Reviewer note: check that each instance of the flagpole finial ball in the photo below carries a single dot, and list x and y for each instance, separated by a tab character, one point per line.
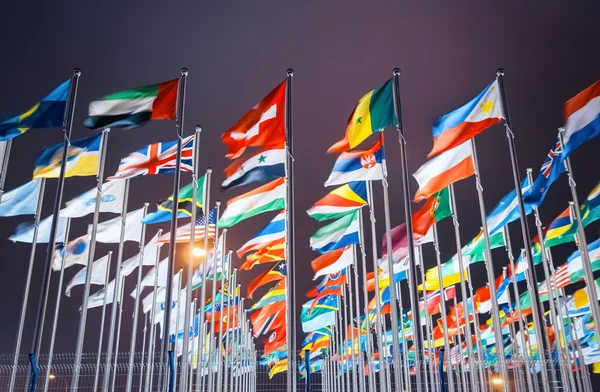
290	72
500	72
209	170
184	71
571	203
146	204
217	203
396	71
529	170
561	129
198	128
77	72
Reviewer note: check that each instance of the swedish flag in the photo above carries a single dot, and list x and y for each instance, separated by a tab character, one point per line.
47	113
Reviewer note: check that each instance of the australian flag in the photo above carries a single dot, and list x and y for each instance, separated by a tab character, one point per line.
552	168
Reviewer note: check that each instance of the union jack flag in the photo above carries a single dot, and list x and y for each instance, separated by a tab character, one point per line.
156	158
184	232
547	165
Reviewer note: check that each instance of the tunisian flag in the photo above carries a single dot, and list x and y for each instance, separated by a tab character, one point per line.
263	125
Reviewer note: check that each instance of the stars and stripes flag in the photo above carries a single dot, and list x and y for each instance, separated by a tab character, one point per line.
157	158
184	232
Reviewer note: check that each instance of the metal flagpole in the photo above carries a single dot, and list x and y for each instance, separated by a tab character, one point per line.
38	213
568	325
345	334
412	270
512	333
190	270
363	255
436	245
341	356
224	284
214	294
57	308
477	333
37	330
497	325
206	209
190	375
536	302
106	280
173	235
418	315
229	314
4	169
350	321
458	346
463	287
289	235
143	350
511	259
113	309
136	302
114	368
90	261
380	325
360	359
152	353
536	328
176	332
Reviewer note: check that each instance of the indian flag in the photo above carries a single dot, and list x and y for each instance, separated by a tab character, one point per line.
269	197
374	112
132	108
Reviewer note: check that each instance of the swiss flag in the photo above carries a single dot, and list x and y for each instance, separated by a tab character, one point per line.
263	125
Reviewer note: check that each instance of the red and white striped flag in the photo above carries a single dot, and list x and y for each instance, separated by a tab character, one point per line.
184	232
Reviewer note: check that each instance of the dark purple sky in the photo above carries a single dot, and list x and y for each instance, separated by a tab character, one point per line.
237	52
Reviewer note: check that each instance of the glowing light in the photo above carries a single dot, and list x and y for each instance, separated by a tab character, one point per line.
198	252
497	381
51	376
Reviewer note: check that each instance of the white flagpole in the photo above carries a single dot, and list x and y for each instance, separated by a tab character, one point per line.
480	351
229	312
176	332
536	328
366	302
113	309
344	334
143	350
224	282
114	368
136	303
152	343
214	294
57	307
4	169
106	280
360	360
90	261
426	306
38	213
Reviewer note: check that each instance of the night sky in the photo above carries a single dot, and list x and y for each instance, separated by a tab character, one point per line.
237	52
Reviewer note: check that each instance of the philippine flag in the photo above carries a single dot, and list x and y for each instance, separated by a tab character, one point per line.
358	166
469	120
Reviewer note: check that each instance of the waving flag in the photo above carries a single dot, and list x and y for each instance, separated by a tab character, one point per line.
336	235
436	174
507	210
263	125
575	263
266	165
589	211
339	202
130	109
358	165
274	231
468	121
98	275
556	231
582	113
268	197
184	232
374	112
277	338
109	232
436	208
322	316
47	113
158	158
332	262
184	207
552	168
74	252
278	272
82	159
24	232
275	251
275	295
111	201
21	200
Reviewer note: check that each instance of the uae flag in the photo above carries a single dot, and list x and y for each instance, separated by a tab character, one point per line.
130	109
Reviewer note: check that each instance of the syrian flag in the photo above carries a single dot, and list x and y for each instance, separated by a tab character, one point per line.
263	125
266	165
130	109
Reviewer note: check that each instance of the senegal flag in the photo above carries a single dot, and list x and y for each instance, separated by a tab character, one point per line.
132	108
374	112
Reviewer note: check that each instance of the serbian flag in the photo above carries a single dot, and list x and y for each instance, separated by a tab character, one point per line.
263	125
468	121
443	170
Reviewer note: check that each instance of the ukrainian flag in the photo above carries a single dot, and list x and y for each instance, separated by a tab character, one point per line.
47	113
82	159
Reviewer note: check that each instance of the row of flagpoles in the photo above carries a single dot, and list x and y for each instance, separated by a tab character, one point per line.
333	326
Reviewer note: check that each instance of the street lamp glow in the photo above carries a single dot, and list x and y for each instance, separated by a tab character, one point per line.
198	252
51	376
497	381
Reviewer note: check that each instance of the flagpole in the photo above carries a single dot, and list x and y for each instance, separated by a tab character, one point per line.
290	239
222	310
113	309
578	377
536	328
38	213
172	381
418	315
412	270
512	333
57	307
106	280
152	355
144	334
363	255
90	261
360	360
195	172
4	170
476	329
214	294
114	376
136	302
380	322
355	369
463	286
345	333
229	313
68	124
436	245
173	235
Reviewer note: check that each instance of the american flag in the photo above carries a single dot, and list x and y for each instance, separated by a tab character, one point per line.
184	232
156	158
560	279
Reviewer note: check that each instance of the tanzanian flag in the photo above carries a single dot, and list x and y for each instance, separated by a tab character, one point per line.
374	112
184	208
47	113
130	109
